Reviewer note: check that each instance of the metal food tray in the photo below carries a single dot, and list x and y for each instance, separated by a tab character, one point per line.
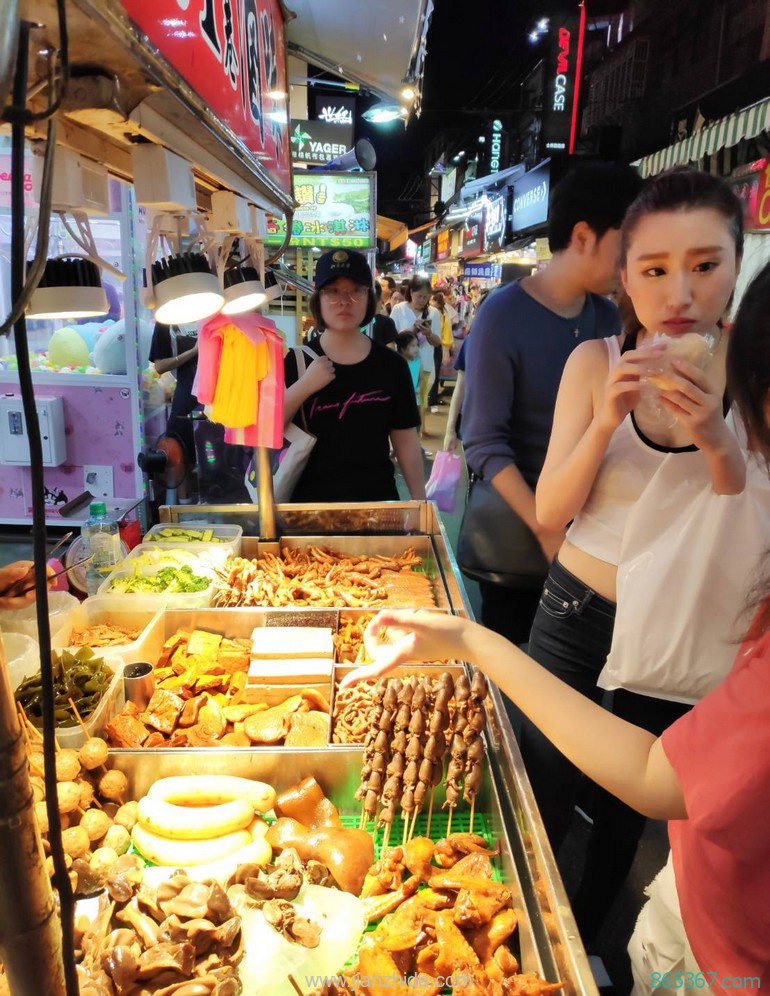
338	775
385	528
521	827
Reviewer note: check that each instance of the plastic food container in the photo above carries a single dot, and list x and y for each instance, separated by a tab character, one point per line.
73	736
22	655
153	556
228	537
134	613
60	606
173	599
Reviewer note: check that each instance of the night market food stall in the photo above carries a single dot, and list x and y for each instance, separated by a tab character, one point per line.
388	832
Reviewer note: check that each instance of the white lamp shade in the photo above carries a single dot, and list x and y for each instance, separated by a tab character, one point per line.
243	297
68	302
187	297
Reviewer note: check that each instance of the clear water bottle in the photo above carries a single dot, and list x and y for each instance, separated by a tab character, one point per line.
101	540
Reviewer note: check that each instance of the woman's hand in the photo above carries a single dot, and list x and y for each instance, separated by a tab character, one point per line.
398	636
318	375
623	388
450	441
696	405
15	578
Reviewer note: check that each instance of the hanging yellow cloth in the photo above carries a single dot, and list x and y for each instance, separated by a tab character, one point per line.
243	364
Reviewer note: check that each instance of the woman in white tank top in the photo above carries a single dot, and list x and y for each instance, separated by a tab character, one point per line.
681	247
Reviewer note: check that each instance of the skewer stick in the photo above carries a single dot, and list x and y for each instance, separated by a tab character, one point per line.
414	821
405	818
363	821
295	985
78	717
24	724
386	837
449	821
430	812
84	728
473	807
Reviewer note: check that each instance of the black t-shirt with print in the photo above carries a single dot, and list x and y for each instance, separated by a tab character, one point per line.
352	418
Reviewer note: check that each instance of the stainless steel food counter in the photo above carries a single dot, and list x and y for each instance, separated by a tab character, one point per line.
550	942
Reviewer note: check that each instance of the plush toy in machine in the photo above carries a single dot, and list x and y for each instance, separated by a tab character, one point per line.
110	349
67	348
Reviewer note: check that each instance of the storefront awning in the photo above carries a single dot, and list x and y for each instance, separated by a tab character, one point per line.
377	45
722	134
395	233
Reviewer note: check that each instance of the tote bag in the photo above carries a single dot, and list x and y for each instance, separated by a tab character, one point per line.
288	462
688	561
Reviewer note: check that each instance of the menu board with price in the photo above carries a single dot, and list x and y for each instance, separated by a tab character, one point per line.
333	210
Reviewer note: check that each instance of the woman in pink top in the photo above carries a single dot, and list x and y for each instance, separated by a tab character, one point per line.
708	918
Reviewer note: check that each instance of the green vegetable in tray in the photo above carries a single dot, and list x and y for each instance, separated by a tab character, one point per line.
175	534
82	677
168	579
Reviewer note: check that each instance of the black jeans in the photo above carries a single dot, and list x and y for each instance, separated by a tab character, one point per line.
509	611
438	356
617	828
571	638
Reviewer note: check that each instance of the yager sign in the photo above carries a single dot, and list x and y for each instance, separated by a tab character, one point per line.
317	142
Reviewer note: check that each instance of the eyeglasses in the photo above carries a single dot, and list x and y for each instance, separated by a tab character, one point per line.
335	294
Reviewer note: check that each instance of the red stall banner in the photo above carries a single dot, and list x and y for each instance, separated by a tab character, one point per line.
233	54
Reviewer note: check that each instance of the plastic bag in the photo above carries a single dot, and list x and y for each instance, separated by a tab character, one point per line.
693	347
444	479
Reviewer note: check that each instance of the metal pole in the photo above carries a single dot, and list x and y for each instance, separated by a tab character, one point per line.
266	507
30	932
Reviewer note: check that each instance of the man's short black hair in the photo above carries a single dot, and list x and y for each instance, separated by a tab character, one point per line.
598	194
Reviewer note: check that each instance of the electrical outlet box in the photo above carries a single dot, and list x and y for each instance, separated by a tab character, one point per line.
162	179
14	441
78	184
99	481
230	212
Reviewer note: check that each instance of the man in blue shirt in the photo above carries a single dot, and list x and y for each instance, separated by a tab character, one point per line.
520	343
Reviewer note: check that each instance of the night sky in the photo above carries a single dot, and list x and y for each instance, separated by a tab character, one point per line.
477	52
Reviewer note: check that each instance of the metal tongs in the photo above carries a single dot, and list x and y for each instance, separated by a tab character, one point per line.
16	591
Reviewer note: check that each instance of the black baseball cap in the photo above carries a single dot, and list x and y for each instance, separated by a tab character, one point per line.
342	263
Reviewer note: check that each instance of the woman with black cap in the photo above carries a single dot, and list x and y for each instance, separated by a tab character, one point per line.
357	396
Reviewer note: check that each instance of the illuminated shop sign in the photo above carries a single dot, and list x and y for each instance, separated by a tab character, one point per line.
562	81
333	209
496	146
530	198
442	245
494	228
753	190
232	54
317	142
483	271
473	235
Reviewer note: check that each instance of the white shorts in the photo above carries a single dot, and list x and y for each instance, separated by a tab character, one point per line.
659	945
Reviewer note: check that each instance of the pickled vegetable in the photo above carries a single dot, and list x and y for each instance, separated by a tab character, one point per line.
82	677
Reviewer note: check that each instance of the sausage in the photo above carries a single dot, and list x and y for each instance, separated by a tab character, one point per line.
184	853
199	823
210	790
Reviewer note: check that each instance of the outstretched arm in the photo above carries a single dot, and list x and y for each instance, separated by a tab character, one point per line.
622	758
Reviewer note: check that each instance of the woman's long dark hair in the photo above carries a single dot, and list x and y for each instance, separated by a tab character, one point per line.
748	383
